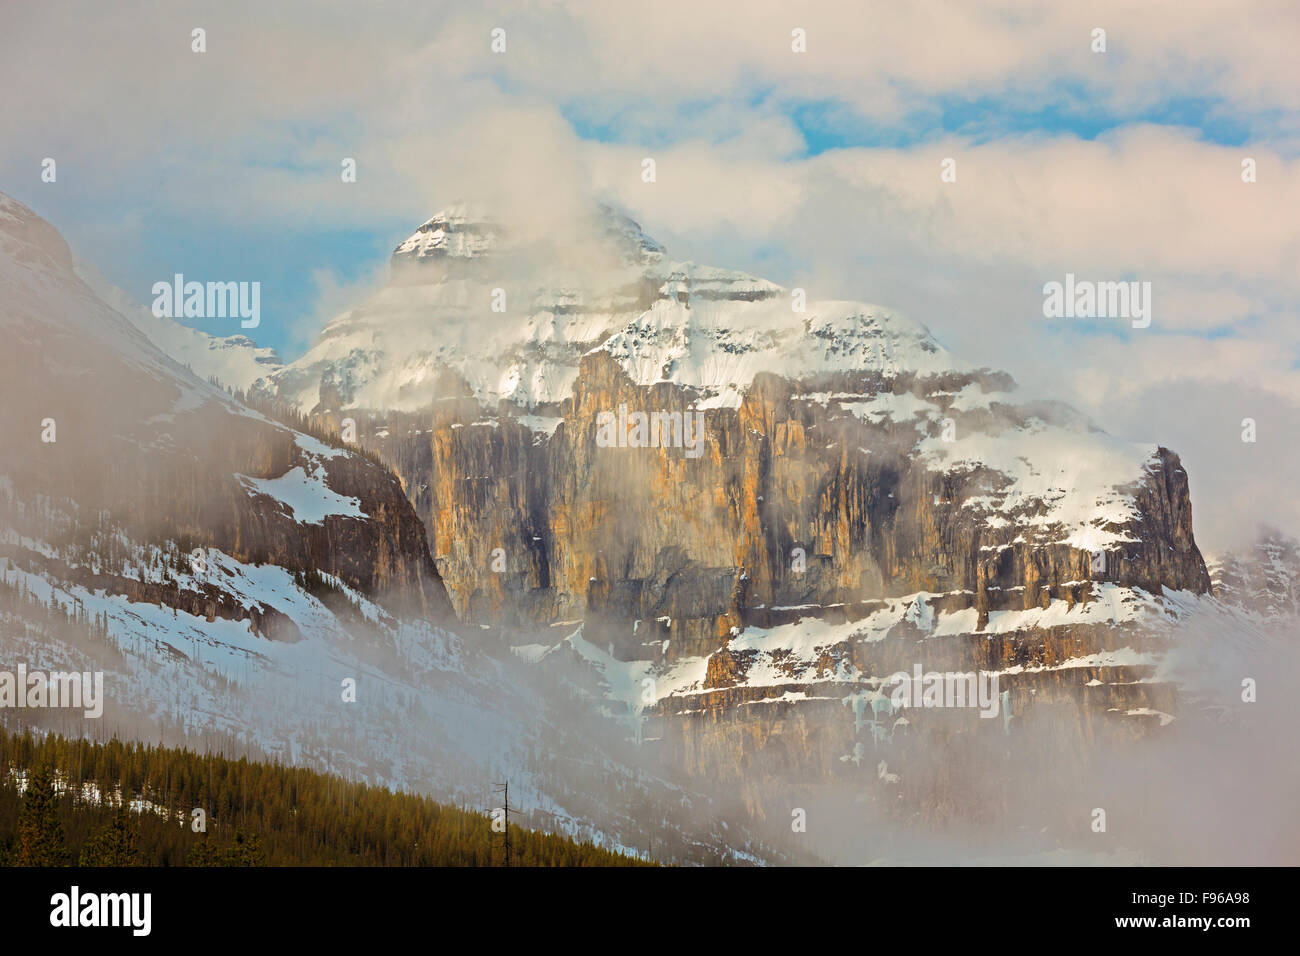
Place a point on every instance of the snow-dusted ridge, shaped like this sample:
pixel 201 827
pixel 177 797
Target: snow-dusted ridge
pixel 663 320
pixel 794 654
pixel 236 361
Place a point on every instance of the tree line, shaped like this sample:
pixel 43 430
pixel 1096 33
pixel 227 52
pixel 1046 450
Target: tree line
pixel 119 803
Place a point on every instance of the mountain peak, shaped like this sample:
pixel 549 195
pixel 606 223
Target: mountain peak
pixel 27 238
pixel 512 305
pixel 455 238
pixel 626 232
pixel 460 231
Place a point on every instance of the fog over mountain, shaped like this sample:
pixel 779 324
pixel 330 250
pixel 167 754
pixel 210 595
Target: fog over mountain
pixel 724 628
pixel 704 435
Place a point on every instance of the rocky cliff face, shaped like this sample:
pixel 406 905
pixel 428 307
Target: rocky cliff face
pixel 792 501
pixel 844 455
pixel 856 501
pixel 1263 579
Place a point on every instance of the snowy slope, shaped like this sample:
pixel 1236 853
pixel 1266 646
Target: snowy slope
pixel 40 289
pixel 1263 579
pixel 1176 636
pixel 430 714
pixel 233 360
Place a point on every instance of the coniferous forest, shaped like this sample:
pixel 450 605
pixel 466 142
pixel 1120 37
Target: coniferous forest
pixel 77 802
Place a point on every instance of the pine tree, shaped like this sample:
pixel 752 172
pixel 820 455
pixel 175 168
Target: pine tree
pixel 259 813
pixel 202 854
pixel 40 833
pixel 245 851
pixel 114 844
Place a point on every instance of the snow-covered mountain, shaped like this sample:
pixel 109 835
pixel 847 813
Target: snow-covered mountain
pixel 235 361
pixel 246 586
pixel 1264 579
pixel 861 500
pixel 705 632
pixel 615 291
pixel 510 327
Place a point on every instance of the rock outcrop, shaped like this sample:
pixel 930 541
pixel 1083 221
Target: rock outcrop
pixel 791 502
